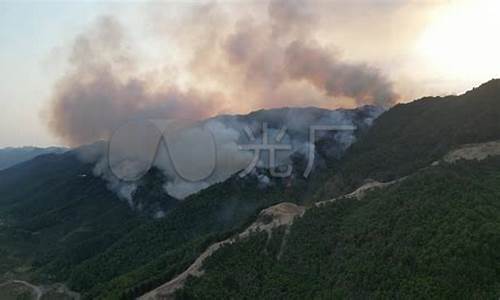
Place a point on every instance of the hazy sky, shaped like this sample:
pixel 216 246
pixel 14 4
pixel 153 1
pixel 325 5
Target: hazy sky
pixel 417 48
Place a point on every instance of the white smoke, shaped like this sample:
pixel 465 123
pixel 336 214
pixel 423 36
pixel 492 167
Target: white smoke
pixel 137 147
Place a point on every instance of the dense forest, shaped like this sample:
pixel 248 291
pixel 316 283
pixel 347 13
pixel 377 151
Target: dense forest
pixel 85 236
pixel 154 252
pixel 412 135
pixel 434 235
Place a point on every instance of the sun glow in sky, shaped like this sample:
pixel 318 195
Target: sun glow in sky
pixel 462 41
pixel 431 47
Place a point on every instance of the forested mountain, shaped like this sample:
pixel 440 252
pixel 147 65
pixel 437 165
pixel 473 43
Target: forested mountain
pixel 60 223
pixel 434 234
pixel 11 156
pixel 55 214
pixel 411 136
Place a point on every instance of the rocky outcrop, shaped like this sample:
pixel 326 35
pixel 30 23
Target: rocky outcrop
pixel 473 152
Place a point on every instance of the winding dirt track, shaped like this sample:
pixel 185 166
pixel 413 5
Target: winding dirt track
pixel 282 214
pixel 37 291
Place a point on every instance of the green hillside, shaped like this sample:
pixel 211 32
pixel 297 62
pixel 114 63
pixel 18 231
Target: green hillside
pixel 54 216
pixel 65 225
pixel 435 235
pixel 155 252
pixel 413 135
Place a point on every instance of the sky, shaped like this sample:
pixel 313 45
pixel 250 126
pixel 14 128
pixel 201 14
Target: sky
pixel 72 71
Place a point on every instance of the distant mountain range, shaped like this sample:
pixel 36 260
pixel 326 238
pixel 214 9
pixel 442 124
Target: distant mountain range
pixel 14 155
pixel 387 216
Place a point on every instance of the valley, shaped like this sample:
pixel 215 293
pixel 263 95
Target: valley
pixel 18 289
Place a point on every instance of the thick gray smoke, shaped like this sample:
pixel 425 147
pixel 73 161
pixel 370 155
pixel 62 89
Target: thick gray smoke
pixel 101 92
pixel 337 78
pixel 278 60
pixel 269 58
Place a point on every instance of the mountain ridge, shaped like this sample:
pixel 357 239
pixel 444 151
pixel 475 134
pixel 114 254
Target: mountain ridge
pixel 404 140
pixel 11 156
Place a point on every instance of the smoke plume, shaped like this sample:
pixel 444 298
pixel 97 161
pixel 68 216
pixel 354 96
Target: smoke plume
pixel 224 63
pixel 233 62
pixel 337 78
pixel 101 92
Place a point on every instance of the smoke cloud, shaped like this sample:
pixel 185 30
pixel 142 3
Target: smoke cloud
pixel 337 78
pixel 101 92
pixel 223 63
pixel 183 151
pixel 233 62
